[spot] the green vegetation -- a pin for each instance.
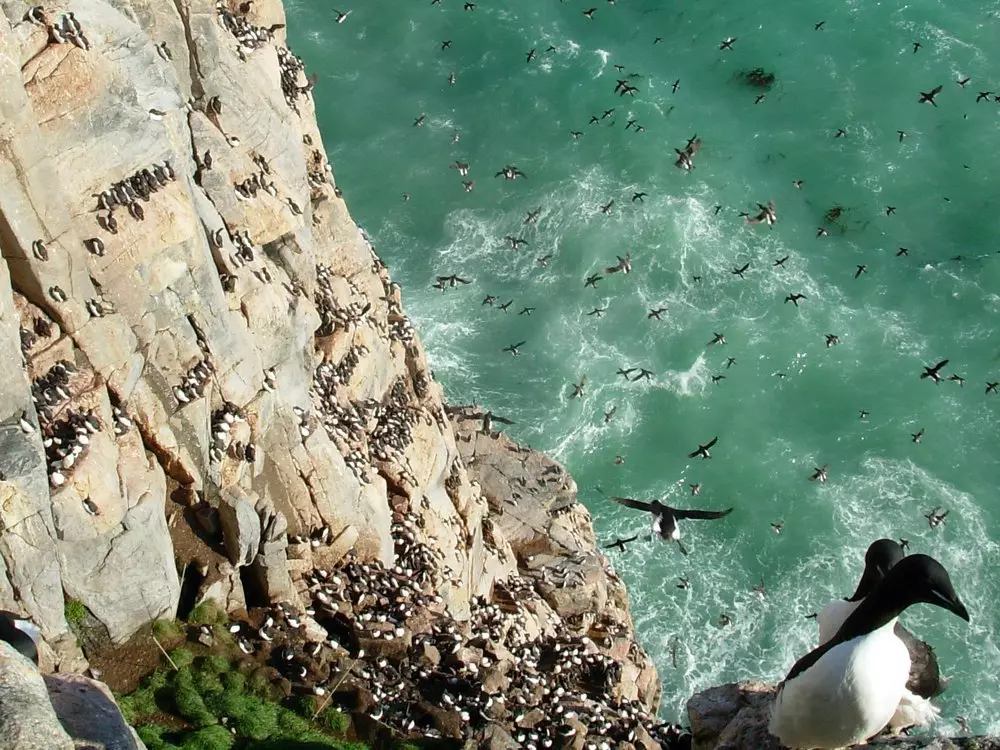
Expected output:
(210, 704)
(167, 630)
(75, 611)
(207, 613)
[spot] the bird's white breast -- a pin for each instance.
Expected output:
(847, 696)
(832, 616)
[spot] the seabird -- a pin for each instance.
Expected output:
(656, 313)
(665, 518)
(780, 262)
(928, 97)
(624, 265)
(935, 517)
(934, 372)
(916, 436)
(767, 214)
(880, 556)
(620, 543)
(860, 270)
(717, 338)
(820, 474)
(794, 298)
(727, 43)
(741, 270)
(20, 633)
(702, 451)
(578, 387)
(514, 349)
(849, 688)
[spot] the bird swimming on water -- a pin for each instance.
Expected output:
(848, 689)
(665, 518)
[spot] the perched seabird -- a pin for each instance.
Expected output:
(879, 558)
(925, 678)
(665, 518)
(849, 688)
(20, 633)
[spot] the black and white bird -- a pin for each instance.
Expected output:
(665, 518)
(20, 633)
(849, 688)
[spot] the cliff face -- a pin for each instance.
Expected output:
(202, 345)
(185, 302)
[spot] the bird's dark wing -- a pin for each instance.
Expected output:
(940, 364)
(936, 90)
(519, 344)
(502, 420)
(630, 503)
(681, 547)
(712, 442)
(705, 515)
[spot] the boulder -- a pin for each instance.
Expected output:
(240, 526)
(27, 718)
(88, 712)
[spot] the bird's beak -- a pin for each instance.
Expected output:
(952, 603)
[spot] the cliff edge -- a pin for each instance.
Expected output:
(212, 392)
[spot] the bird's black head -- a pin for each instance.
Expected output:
(882, 555)
(921, 578)
(20, 633)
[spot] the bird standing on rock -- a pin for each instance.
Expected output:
(848, 689)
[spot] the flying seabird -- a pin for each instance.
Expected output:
(727, 43)
(819, 473)
(20, 633)
(928, 97)
(794, 298)
(514, 349)
(665, 518)
(741, 270)
(341, 17)
(702, 451)
(766, 215)
(620, 543)
(849, 688)
(934, 372)
(717, 338)
(624, 265)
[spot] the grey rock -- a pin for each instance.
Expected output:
(27, 719)
(240, 525)
(88, 712)
(735, 717)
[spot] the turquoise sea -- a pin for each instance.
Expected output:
(383, 68)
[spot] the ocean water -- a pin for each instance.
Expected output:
(383, 68)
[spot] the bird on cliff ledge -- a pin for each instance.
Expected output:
(849, 688)
(22, 634)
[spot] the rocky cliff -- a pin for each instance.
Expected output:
(210, 380)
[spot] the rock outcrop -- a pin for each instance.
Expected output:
(197, 315)
(735, 717)
(211, 370)
(59, 712)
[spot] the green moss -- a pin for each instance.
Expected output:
(207, 613)
(207, 689)
(167, 630)
(210, 738)
(190, 705)
(234, 681)
(152, 736)
(181, 657)
(334, 719)
(75, 611)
